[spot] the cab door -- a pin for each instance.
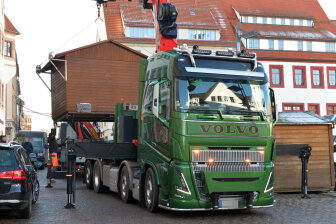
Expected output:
(161, 111)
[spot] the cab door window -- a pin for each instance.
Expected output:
(164, 111)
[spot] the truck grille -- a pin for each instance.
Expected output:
(223, 161)
(203, 156)
(228, 167)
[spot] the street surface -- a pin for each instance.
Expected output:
(108, 208)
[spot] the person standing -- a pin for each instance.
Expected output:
(28, 146)
(3, 139)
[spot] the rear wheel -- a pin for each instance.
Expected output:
(36, 192)
(151, 191)
(97, 182)
(88, 175)
(124, 186)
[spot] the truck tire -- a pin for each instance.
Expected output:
(88, 175)
(151, 191)
(97, 182)
(124, 186)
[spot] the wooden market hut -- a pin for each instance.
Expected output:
(94, 77)
(304, 128)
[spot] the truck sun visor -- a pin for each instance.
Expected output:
(224, 72)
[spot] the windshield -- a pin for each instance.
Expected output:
(36, 141)
(225, 95)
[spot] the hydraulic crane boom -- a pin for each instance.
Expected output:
(165, 15)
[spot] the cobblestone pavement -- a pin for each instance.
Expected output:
(108, 208)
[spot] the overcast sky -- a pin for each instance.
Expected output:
(44, 26)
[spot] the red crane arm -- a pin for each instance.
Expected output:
(162, 43)
(165, 15)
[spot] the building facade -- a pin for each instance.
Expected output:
(9, 77)
(27, 123)
(2, 76)
(12, 85)
(295, 40)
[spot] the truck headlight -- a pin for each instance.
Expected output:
(270, 182)
(40, 154)
(184, 188)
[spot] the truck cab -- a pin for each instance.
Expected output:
(205, 130)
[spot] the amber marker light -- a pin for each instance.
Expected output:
(196, 152)
(262, 152)
(248, 161)
(211, 161)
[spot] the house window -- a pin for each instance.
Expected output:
(301, 22)
(331, 108)
(213, 99)
(283, 21)
(314, 108)
(232, 99)
(202, 35)
(299, 76)
(254, 44)
(254, 19)
(281, 44)
(219, 99)
(300, 45)
(273, 20)
(331, 71)
(140, 32)
(330, 47)
(292, 107)
(264, 19)
(309, 46)
(8, 49)
(245, 19)
(292, 22)
(309, 23)
(317, 77)
(276, 76)
(270, 44)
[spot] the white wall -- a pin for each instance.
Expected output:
(292, 45)
(289, 94)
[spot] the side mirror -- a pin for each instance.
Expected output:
(273, 106)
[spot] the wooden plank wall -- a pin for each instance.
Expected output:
(102, 75)
(288, 168)
(58, 94)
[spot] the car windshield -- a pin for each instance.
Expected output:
(228, 96)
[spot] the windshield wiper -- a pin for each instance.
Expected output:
(251, 113)
(206, 110)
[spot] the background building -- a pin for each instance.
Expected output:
(295, 40)
(2, 77)
(9, 77)
(27, 123)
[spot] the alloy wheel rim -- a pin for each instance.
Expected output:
(87, 175)
(36, 192)
(149, 190)
(123, 186)
(96, 179)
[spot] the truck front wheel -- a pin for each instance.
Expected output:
(124, 186)
(151, 191)
(88, 175)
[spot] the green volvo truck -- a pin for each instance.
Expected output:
(202, 135)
